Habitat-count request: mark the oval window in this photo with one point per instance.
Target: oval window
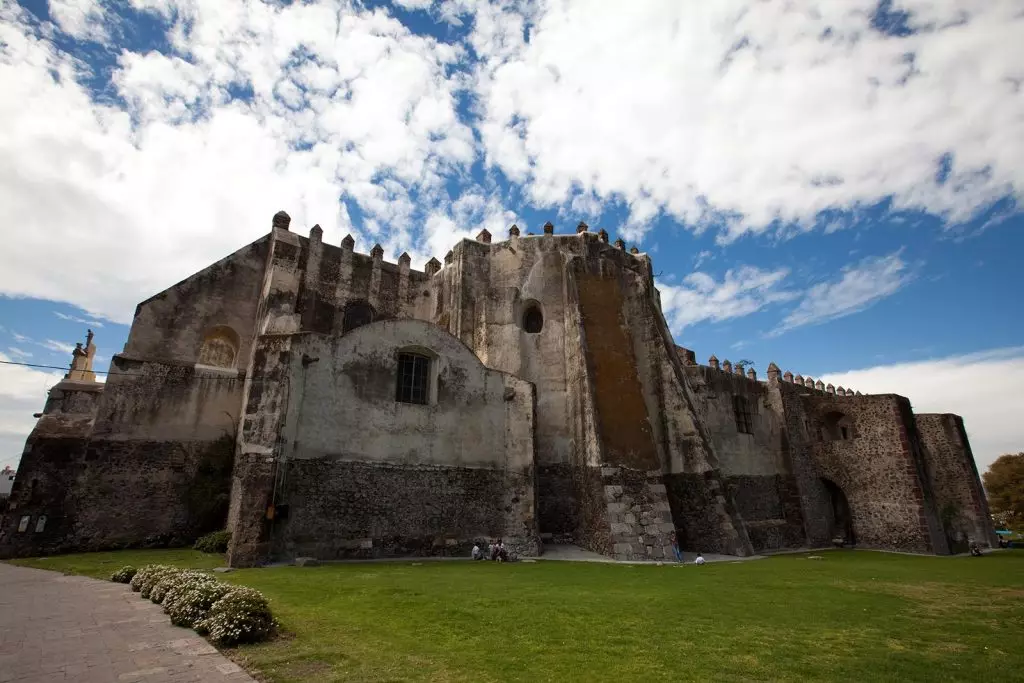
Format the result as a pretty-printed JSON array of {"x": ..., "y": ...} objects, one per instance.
[{"x": 533, "y": 319}]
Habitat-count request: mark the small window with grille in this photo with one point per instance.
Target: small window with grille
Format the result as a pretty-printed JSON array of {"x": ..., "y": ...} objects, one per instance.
[
  {"x": 413, "y": 378},
  {"x": 744, "y": 421}
]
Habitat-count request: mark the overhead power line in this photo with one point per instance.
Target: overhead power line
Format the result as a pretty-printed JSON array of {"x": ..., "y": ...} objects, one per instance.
[{"x": 113, "y": 373}]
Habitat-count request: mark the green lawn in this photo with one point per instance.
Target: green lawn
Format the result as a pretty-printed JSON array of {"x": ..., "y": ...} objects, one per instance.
[{"x": 858, "y": 616}]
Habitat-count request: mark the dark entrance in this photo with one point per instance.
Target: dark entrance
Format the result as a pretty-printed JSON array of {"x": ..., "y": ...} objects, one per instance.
[{"x": 840, "y": 520}]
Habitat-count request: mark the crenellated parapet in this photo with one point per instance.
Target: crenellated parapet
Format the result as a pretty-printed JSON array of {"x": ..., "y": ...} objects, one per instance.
[
  {"x": 725, "y": 367},
  {"x": 774, "y": 374},
  {"x": 809, "y": 382}
]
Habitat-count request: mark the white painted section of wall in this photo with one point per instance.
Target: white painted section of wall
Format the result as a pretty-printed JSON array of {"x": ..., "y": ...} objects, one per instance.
[{"x": 343, "y": 404}]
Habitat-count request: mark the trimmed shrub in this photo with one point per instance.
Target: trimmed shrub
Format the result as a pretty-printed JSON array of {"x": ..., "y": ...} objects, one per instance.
[
  {"x": 144, "y": 573},
  {"x": 215, "y": 542},
  {"x": 124, "y": 575},
  {"x": 241, "y": 616},
  {"x": 190, "y": 599},
  {"x": 169, "y": 581},
  {"x": 154, "y": 577}
]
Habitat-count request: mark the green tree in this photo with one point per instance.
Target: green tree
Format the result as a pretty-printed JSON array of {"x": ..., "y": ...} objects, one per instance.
[{"x": 1004, "y": 484}]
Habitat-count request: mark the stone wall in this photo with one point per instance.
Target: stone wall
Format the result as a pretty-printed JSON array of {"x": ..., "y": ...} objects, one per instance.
[
  {"x": 953, "y": 477},
  {"x": 360, "y": 474},
  {"x": 151, "y": 468},
  {"x": 483, "y": 295},
  {"x": 877, "y": 470},
  {"x": 754, "y": 464},
  {"x": 105, "y": 494},
  {"x": 172, "y": 325}
]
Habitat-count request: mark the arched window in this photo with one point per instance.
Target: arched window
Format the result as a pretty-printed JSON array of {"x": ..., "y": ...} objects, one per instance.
[
  {"x": 533, "y": 319},
  {"x": 220, "y": 347},
  {"x": 742, "y": 412},
  {"x": 413, "y": 385},
  {"x": 836, "y": 426},
  {"x": 356, "y": 314}
]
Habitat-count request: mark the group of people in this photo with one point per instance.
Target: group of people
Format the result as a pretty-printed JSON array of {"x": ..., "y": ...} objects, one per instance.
[{"x": 495, "y": 551}]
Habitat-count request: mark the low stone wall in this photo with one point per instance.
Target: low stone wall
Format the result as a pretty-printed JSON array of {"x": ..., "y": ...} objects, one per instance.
[
  {"x": 109, "y": 494},
  {"x": 341, "y": 510}
]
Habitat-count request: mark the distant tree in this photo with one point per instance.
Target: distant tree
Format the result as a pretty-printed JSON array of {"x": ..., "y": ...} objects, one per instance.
[{"x": 1004, "y": 484}]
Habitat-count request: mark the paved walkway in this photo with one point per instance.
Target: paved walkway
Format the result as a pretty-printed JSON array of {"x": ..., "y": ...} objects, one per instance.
[
  {"x": 573, "y": 553},
  {"x": 71, "y": 628}
]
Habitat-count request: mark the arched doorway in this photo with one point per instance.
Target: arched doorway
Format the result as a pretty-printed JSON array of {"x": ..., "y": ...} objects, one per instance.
[{"x": 840, "y": 523}]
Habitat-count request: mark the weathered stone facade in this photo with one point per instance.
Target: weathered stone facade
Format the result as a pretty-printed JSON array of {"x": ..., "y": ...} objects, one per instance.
[{"x": 326, "y": 403}]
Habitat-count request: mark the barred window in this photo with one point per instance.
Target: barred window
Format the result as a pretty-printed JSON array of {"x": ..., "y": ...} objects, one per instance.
[
  {"x": 413, "y": 378},
  {"x": 744, "y": 421}
]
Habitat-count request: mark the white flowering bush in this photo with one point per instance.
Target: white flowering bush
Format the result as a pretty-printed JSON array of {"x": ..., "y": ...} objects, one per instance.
[
  {"x": 226, "y": 614},
  {"x": 144, "y": 573},
  {"x": 172, "y": 579},
  {"x": 189, "y": 601},
  {"x": 242, "y": 615},
  {"x": 124, "y": 575},
  {"x": 154, "y": 577}
]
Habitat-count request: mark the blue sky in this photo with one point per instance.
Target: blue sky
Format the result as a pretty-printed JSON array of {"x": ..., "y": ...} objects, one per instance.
[{"x": 833, "y": 188}]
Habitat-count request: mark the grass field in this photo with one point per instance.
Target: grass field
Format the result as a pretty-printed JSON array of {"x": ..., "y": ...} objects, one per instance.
[{"x": 850, "y": 616}]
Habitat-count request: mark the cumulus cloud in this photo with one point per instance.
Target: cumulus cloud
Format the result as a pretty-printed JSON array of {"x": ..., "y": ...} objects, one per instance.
[
  {"x": 748, "y": 115},
  {"x": 464, "y": 218},
  {"x": 22, "y": 393},
  {"x": 741, "y": 291},
  {"x": 82, "y": 19},
  {"x": 983, "y": 388},
  {"x": 321, "y": 108},
  {"x": 859, "y": 287}
]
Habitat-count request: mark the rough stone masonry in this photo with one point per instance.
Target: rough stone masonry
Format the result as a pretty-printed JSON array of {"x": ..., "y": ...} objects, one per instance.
[{"x": 319, "y": 402}]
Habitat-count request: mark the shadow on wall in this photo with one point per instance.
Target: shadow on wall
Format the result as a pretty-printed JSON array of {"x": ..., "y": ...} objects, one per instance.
[
  {"x": 840, "y": 522},
  {"x": 837, "y": 426}
]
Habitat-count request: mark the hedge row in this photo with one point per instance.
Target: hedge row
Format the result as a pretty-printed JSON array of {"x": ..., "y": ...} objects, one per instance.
[{"x": 227, "y": 614}]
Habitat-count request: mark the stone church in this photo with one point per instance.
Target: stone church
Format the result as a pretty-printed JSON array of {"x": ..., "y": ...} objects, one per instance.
[{"x": 319, "y": 402}]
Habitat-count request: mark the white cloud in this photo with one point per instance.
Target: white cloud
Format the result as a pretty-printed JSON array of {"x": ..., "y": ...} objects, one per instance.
[
  {"x": 59, "y": 346},
  {"x": 413, "y": 4},
  {"x": 464, "y": 219},
  {"x": 983, "y": 388},
  {"x": 129, "y": 201},
  {"x": 741, "y": 292},
  {"x": 859, "y": 287},
  {"x": 19, "y": 353},
  {"x": 20, "y": 337},
  {"x": 22, "y": 393},
  {"x": 82, "y": 19},
  {"x": 744, "y": 112},
  {"x": 76, "y": 319},
  {"x": 701, "y": 257}
]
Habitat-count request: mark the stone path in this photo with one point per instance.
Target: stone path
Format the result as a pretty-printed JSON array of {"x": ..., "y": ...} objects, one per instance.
[{"x": 70, "y": 628}]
